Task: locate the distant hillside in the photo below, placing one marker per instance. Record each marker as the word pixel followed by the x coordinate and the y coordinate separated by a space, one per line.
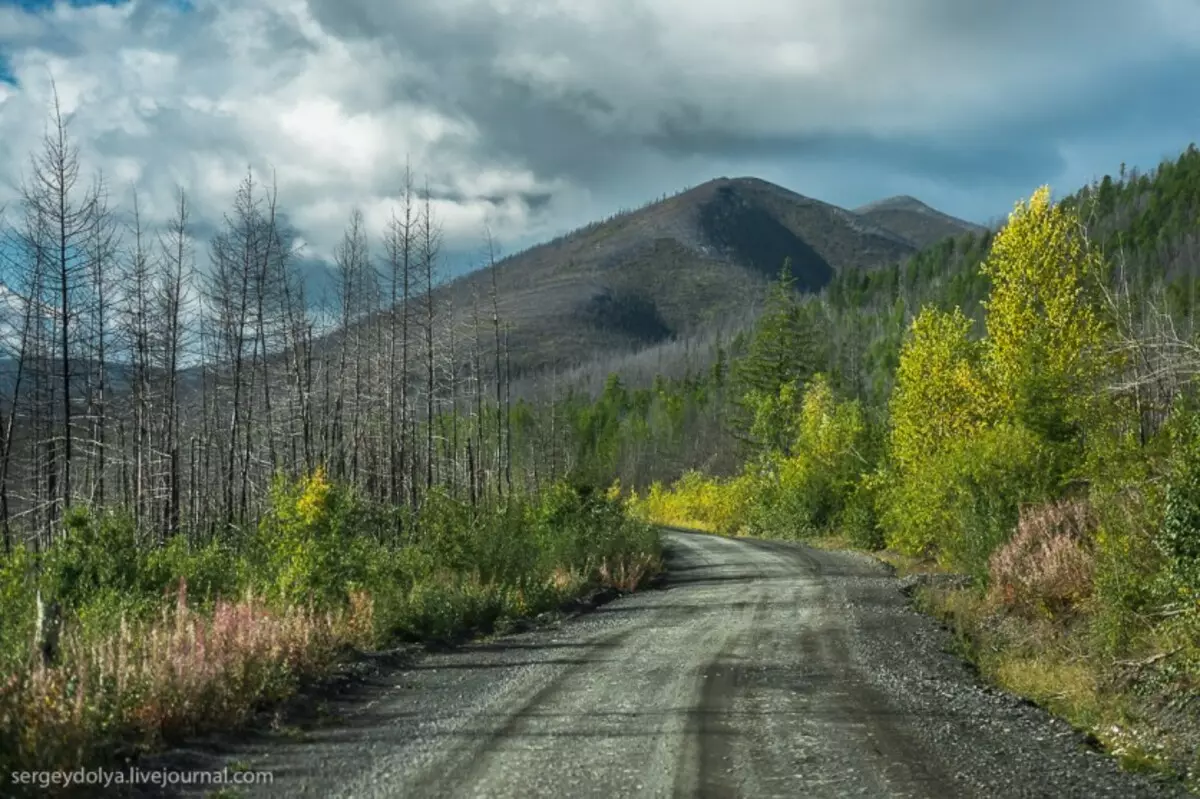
pixel 915 221
pixel 674 266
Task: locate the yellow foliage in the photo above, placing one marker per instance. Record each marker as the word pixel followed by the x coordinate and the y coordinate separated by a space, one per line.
pixel 829 431
pixel 1042 323
pixel 614 491
pixel 939 396
pixel 694 501
pixel 314 496
pixel 779 493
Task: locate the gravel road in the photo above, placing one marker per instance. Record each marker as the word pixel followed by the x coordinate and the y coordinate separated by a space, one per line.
pixel 762 669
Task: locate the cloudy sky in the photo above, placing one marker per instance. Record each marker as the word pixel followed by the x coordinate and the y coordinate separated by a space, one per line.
pixel 539 115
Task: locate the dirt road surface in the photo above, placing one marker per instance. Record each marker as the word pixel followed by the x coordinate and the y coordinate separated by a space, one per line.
pixel 763 669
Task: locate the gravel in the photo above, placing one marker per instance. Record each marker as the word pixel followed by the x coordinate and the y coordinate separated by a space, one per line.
pixel 760 669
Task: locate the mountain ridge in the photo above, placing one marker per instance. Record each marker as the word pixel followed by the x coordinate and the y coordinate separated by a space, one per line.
pixel 660 271
pixel 914 220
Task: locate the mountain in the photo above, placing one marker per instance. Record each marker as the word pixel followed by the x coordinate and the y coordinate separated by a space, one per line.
pixel 665 270
pixel 914 221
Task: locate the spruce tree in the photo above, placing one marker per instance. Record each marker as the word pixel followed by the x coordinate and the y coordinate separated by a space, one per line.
pixel 785 348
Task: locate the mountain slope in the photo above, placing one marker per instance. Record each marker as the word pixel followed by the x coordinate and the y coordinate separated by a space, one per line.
pixel 915 221
pixel 671 267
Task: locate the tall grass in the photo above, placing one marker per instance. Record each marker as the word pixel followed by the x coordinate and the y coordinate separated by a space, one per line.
pixel 159 644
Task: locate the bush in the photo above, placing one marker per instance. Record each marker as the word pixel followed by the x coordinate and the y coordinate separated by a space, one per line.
pixel 212 570
pixel 1179 538
pixel 1129 562
pixel 95 552
pixel 1047 567
pixel 17 589
pixel 698 502
pixel 963 504
pixel 306 544
pixel 859 519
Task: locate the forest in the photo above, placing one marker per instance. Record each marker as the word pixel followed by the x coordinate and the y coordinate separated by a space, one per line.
pixel 1012 418
pixel 213 488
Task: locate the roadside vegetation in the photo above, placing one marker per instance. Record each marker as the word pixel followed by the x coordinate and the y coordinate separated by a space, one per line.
pixel 1017 407
pixel 166 641
pixel 214 489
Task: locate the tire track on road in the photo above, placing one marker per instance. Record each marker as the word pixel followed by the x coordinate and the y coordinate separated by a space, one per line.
pixel 469 759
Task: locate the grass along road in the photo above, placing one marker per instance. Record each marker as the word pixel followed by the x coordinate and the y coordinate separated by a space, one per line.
pixel 762 669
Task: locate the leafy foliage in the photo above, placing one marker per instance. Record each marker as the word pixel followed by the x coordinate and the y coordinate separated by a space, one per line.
pixel 940 396
pixel 1180 536
pixel 1045 346
pixel 238 627
pixel 963 502
pixel 796 490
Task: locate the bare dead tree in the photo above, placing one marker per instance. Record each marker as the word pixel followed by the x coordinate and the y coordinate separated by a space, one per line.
pixel 269 265
pixel 135 326
pixel 398 250
pixel 352 260
pixel 102 242
pixel 496 373
pixel 477 364
pixel 53 191
pixel 298 327
pixel 430 244
pixel 23 277
pixel 507 413
pixel 171 302
pixel 234 254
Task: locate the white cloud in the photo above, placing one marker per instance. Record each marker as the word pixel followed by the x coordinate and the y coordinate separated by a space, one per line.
pixel 592 103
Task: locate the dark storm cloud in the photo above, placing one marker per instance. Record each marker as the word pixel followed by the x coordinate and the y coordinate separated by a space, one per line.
pixel 994 88
pixel 974 160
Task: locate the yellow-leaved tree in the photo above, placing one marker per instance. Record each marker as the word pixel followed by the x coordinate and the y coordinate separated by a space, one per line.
pixel 1045 348
pixel 940 395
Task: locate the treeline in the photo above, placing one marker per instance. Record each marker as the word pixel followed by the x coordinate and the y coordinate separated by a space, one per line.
pixel 1018 407
pixel 212 486
pixel 1147 225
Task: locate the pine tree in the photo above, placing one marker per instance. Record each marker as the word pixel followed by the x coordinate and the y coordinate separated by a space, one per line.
pixel 784 349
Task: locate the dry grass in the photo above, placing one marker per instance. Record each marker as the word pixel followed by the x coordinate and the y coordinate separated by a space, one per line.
pixel 627 573
pixel 1055 665
pixel 159 680
pixel 1047 565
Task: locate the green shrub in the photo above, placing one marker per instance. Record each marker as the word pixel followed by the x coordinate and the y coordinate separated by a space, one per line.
pixel 95 552
pixel 963 503
pixel 1179 538
pixel 306 543
pixel 211 571
pixel 17 589
pixel 859 519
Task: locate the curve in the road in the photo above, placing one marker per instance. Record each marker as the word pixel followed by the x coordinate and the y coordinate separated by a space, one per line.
pixel 764 669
